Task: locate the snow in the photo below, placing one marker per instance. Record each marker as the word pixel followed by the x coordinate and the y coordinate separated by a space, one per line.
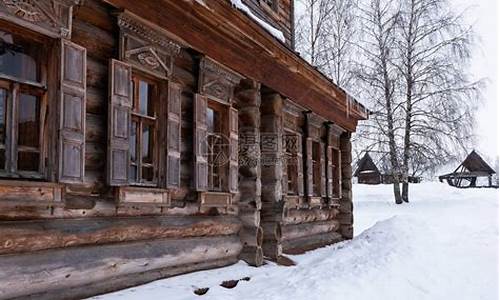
pixel 271 29
pixel 442 245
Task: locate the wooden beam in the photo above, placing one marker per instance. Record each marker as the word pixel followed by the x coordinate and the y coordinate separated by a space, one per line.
pixel 233 39
pixel 27 236
pixel 45 271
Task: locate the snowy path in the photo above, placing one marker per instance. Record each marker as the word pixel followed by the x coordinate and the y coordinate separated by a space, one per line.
pixel 443 245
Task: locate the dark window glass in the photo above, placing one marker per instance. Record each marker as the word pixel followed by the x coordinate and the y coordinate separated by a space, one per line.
pixel 147 144
pixel 148 173
pixel 18 57
pixel 28 161
pixel 316 168
pixel 2 159
pixel 28 121
pixel 3 107
pixel 145 99
pixel 133 142
pixel 143 129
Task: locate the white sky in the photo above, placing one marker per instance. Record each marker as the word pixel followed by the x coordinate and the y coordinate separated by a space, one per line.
pixel 483 16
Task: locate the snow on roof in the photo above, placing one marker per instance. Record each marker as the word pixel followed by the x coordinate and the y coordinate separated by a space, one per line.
pixel 271 29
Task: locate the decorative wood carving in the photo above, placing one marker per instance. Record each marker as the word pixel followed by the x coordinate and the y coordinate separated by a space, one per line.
pixel 145 46
pixel 216 81
pixel 49 17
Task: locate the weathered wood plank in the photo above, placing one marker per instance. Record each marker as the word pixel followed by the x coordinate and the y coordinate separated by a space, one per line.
pixel 27 236
pixel 290 232
pixel 47 271
pixel 301 245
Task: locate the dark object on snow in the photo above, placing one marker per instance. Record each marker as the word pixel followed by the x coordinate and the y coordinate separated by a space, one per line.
pixel 368 173
pixel 467 173
pixel 245 278
pixel 201 291
pixel 229 284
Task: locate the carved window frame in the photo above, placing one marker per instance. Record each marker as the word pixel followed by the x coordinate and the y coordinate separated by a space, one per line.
pixel 13 87
pixel 216 83
pixel 49 17
pixel 146 46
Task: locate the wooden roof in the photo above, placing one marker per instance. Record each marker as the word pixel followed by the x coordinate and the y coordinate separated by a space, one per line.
pixel 475 163
pixel 366 164
pixel 222 32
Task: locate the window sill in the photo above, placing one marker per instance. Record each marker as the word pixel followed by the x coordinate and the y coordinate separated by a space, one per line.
pixel 215 199
pixel 30 191
pixel 143 195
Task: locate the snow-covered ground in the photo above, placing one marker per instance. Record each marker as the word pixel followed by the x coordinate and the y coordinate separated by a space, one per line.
pixel 442 245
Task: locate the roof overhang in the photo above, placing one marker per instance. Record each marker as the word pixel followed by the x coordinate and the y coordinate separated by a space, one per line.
pixel 220 31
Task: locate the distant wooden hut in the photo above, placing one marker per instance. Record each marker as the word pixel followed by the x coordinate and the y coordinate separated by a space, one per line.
pixel 467 173
pixel 367 172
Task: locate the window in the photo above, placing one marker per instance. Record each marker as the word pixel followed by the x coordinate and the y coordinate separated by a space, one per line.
pixel 217 147
pixel 336 173
pixel 316 166
pixel 291 147
pixel 22 106
pixel 143 131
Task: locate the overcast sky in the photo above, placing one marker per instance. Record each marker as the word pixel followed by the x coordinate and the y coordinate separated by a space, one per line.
pixel 482 14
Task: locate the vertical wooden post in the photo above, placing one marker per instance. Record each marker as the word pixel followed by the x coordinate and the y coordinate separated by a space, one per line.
pixel 272 172
pixel 247 96
pixel 346 215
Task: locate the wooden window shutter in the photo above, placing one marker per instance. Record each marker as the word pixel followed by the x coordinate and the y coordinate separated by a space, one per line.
pixel 119 107
pixel 300 167
pixel 322 168
pixel 200 143
pixel 233 156
pixel 284 166
pixel 309 168
pixel 329 174
pixel 72 113
pixel 174 135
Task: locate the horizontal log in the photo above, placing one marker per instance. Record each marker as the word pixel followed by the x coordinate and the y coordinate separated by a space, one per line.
pixel 298 216
pixel 301 245
pixel 252 255
pixel 290 232
pixel 47 271
pixel 129 280
pixel 251 236
pixel 24 236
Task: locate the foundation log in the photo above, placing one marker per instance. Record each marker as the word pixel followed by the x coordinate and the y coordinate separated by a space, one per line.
pixel 45 271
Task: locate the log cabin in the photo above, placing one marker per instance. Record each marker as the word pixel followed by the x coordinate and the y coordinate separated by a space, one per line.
pixel 144 139
pixel 367 172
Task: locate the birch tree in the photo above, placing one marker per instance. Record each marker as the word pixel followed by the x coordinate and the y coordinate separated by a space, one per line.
pixel 340 42
pixel 311 29
pixel 378 77
pixel 438 99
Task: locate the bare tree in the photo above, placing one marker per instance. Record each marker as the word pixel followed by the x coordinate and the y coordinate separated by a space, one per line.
pixel 311 28
pixel 378 77
pixel 438 98
pixel 340 42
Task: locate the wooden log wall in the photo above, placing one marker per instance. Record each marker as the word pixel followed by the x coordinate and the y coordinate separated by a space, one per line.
pixel 272 171
pixel 248 103
pixel 346 206
pixel 62 241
